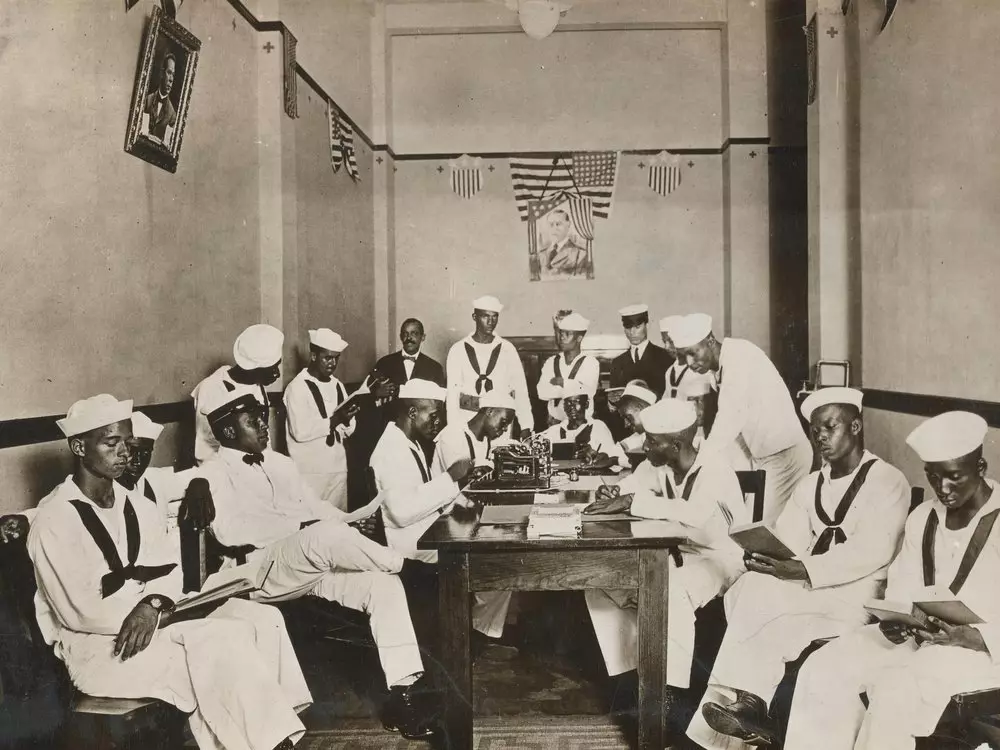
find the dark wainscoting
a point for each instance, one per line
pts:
(924, 405)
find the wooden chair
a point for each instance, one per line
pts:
(37, 695)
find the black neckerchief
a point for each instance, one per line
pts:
(833, 534)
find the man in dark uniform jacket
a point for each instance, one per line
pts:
(643, 360)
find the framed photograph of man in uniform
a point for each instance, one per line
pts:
(560, 231)
(162, 92)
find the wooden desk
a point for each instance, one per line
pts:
(607, 555)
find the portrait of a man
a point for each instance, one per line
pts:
(563, 254)
(163, 84)
(159, 111)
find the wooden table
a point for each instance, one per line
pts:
(607, 555)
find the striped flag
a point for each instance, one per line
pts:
(664, 173)
(535, 178)
(291, 85)
(466, 175)
(336, 150)
(347, 144)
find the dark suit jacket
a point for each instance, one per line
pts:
(391, 366)
(166, 117)
(652, 367)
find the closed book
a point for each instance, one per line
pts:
(952, 611)
(759, 537)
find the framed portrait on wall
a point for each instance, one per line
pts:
(162, 92)
(560, 238)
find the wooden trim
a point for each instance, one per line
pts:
(926, 405)
(626, 151)
(32, 430)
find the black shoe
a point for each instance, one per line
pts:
(745, 718)
(411, 711)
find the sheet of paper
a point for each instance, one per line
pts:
(495, 515)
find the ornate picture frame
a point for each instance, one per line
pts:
(162, 92)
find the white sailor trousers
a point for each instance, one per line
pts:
(336, 562)
(770, 622)
(908, 688)
(234, 672)
(694, 584)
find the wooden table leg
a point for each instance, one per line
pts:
(455, 673)
(653, 692)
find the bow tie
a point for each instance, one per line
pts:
(408, 358)
(253, 459)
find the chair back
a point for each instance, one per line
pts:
(752, 483)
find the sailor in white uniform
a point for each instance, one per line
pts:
(414, 495)
(702, 495)
(482, 362)
(633, 400)
(257, 353)
(844, 524)
(680, 374)
(951, 550)
(262, 501)
(593, 439)
(108, 581)
(317, 427)
(569, 364)
(754, 403)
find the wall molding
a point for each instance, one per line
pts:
(32, 430)
(926, 405)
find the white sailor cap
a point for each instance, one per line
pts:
(834, 395)
(669, 416)
(667, 324)
(258, 346)
(633, 310)
(418, 388)
(573, 388)
(496, 399)
(488, 303)
(574, 322)
(144, 427)
(90, 413)
(636, 391)
(690, 330)
(324, 338)
(948, 436)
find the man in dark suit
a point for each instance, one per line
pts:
(161, 111)
(643, 360)
(409, 363)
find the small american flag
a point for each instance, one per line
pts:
(466, 175)
(290, 78)
(336, 149)
(664, 173)
(347, 144)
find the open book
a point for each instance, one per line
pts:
(218, 594)
(951, 611)
(363, 390)
(759, 537)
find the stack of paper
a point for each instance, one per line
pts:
(554, 520)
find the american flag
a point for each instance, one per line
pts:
(291, 86)
(587, 176)
(466, 175)
(347, 144)
(336, 150)
(664, 173)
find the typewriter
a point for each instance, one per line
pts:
(519, 466)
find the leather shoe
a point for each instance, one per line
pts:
(410, 711)
(745, 718)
